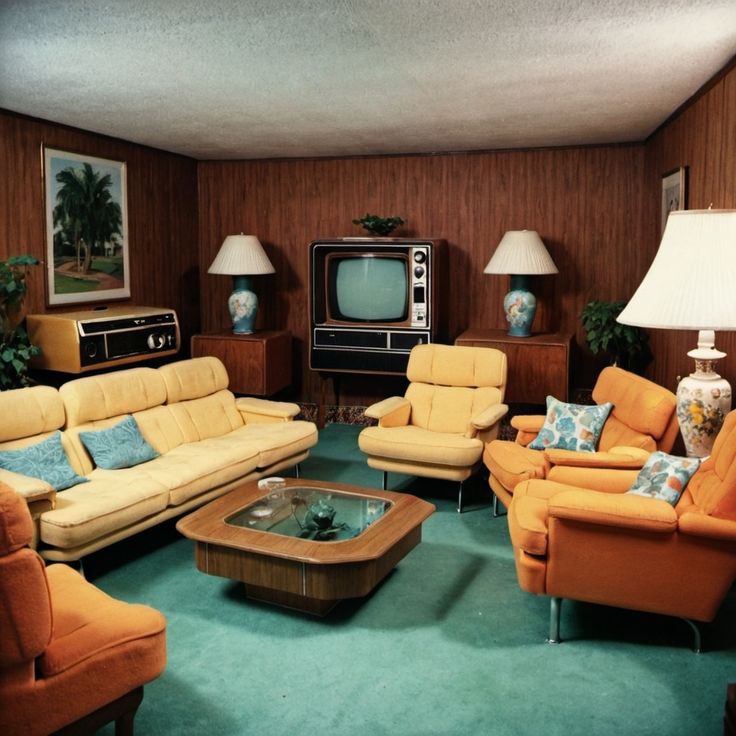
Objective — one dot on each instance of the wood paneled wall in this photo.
(162, 213)
(585, 203)
(703, 138)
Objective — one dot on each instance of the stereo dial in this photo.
(90, 349)
(156, 341)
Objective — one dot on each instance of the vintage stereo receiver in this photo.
(75, 342)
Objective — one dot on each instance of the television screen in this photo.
(371, 289)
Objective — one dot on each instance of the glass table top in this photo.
(317, 514)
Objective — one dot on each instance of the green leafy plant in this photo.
(625, 345)
(379, 225)
(15, 347)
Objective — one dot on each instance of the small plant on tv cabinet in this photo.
(15, 347)
(376, 225)
(625, 345)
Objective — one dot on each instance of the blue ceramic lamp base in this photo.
(520, 306)
(243, 306)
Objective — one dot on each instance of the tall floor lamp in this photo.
(242, 256)
(690, 286)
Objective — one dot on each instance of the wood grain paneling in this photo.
(162, 213)
(584, 202)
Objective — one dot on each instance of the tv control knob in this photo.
(419, 271)
(420, 256)
(156, 341)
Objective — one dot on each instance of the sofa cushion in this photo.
(112, 500)
(193, 379)
(120, 446)
(31, 411)
(278, 441)
(571, 426)
(113, 394)
(45, 460)
(664, 476)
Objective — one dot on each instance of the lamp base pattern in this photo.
(243, 306)
(703, 400)
(520, 306)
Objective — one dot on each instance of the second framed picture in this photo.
(674, 190)
(87, 257)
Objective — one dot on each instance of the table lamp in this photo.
(242, 256)
(690, 286)
(521, 253)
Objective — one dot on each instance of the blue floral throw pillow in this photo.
(571, 426)
(664, 476)
(45, 460)
(119, 446)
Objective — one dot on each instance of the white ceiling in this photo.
(218, 79)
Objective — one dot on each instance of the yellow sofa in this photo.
(207, 440)
(630, 551)
(643, 419)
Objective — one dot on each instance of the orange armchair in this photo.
(643, 419)
(629, 551)
(70, 656)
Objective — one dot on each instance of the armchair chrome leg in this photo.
(460, 498)
(385, 480)
(555, 606)
(297, 471)
(495, 507)
(697, 640)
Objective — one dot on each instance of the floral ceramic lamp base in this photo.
(520, 306)
(703, 399)
(243, 306)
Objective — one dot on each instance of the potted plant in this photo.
(381, 226)
(15, 347)
(625, 345)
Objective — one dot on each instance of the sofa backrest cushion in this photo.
(27, 412)
(115, 394)
(640, 405)
(193, 379)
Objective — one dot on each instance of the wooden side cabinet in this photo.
(537, 365)
(258, 364)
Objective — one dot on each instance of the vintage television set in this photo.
(371, 301)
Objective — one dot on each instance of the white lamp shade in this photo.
(690, 284)
(241, 255)
(521, 252)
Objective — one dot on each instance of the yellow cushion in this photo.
(453, 365)
(194, 378)
(30, 411)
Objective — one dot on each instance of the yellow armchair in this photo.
(452, 407)
(643, 419)
(629, 551)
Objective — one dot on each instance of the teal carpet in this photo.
(447, 645)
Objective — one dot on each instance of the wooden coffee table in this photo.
(248, 535)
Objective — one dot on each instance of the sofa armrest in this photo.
(701, 525)
(625, 511)
(626, 458)
(32, 489)
(261, 411)
(392, 412)
(528, 426)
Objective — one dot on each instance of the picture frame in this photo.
(674, 192)
(86, 211)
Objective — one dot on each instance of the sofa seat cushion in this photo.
(195, 467)
(511, 463)
(112, 500)
(419, 445)
(278, 441)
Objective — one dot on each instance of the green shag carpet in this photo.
(447, 645)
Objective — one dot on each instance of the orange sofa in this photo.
(643, 419)
(631, 551)
(69, 654)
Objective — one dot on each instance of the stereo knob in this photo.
(156, 341)
(419, 271)
(90, 349)
(420, 256)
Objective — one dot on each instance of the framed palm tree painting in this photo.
(86, 228)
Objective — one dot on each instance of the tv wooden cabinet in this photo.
(538, 365)
(258, 364)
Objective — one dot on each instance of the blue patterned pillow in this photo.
(45, 460)
(571, 426)
(664, 476)
(119, 446)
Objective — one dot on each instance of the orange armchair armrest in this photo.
(528, 426)
(626, 511)
(702, 525)
(626, 458)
